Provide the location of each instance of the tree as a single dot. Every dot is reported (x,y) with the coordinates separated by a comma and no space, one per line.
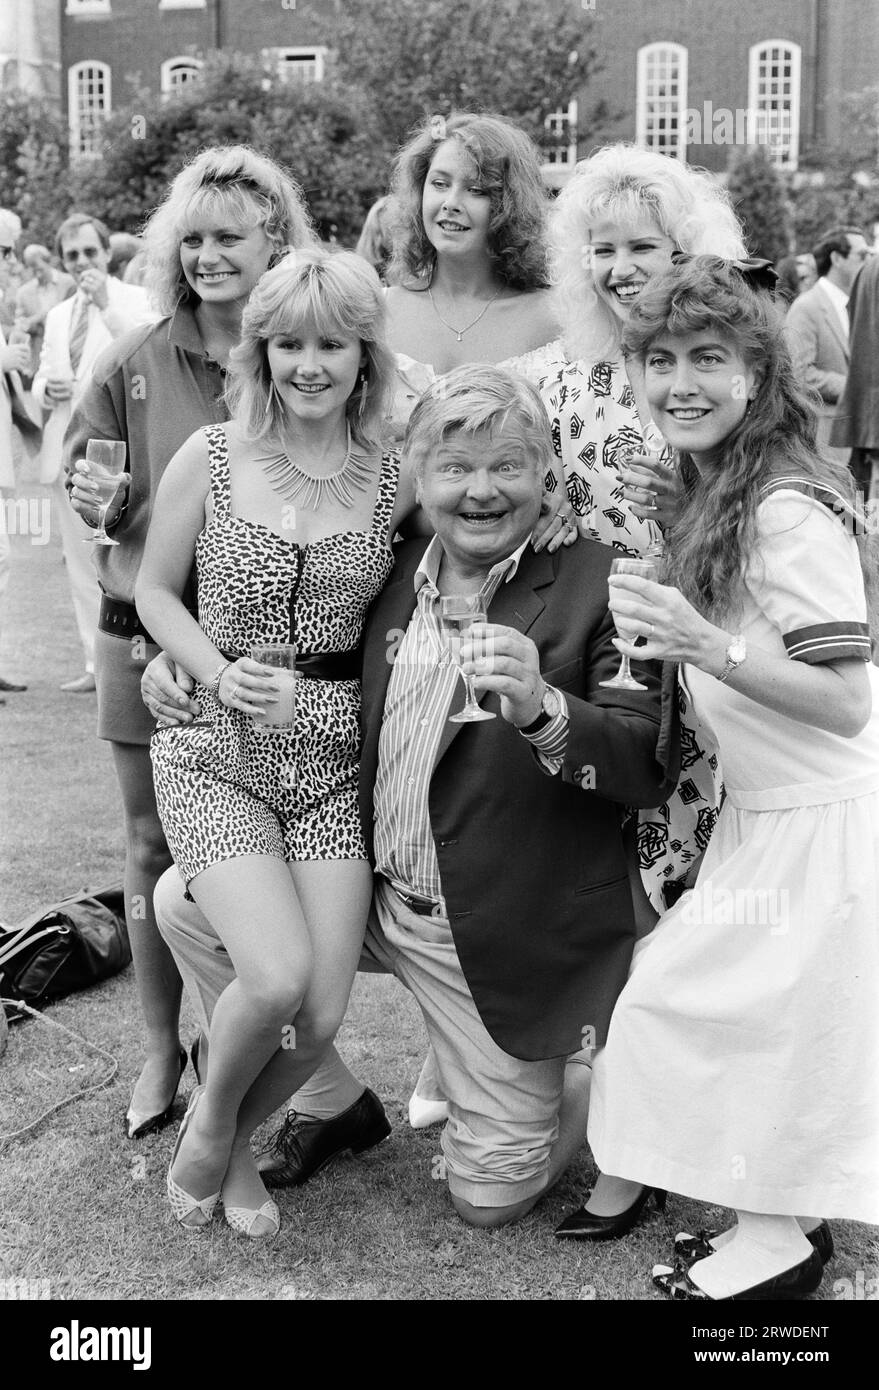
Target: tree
(840,183)
(324,136)
(759,196)
(34,174)
(520,58)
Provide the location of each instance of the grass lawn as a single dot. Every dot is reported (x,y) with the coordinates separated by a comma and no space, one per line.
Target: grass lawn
(85,1209)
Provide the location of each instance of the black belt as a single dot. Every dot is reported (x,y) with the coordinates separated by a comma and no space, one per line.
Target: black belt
(323,666)
(121,620)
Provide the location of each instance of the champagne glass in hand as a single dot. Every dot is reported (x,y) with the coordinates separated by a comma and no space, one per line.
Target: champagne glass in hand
(459,613)
(644,569)
(107,461)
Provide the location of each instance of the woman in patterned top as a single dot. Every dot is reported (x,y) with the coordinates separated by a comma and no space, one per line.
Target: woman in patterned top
(615,225)
(288,511)
(742,1059)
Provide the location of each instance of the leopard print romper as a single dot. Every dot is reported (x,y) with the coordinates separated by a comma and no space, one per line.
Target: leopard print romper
(224,787)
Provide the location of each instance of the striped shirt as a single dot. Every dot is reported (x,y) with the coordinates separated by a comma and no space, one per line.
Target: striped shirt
(420,692)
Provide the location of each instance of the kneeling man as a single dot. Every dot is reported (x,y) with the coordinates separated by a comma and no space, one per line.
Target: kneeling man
(502,897)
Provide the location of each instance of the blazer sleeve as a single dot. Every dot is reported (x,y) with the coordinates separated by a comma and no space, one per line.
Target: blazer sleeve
(57,321)
(802,332)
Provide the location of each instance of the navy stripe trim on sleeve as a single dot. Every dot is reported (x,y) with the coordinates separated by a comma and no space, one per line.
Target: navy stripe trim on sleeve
(828,642)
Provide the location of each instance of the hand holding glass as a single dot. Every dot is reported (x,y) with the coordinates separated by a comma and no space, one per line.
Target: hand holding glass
(106,458)
(644,569)
(281,658)
(459,613)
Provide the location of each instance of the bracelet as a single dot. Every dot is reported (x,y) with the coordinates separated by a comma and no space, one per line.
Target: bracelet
(213,685)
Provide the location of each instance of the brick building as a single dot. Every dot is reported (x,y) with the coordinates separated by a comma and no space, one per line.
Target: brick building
(689,77)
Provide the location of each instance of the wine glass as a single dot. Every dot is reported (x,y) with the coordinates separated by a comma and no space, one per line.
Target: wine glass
(459,612)
(108,459)
(645,569)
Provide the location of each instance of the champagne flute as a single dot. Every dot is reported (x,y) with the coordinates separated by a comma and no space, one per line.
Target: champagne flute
(459,612)
(644,569)
(108,457)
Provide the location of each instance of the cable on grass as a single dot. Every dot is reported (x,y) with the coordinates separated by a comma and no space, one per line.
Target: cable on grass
(77,1095)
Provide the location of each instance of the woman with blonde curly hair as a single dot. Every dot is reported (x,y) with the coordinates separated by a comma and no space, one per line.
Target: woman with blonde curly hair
(615,225)
(226,215)
(468,270)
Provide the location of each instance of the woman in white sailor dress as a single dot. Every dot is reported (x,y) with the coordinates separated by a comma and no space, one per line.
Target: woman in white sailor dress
(743,1055)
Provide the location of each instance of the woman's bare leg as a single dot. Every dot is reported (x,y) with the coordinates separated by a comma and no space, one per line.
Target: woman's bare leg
(253,907)
(335,900)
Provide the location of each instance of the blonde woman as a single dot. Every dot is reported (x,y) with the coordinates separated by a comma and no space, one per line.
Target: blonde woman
(287,511)
(226,215)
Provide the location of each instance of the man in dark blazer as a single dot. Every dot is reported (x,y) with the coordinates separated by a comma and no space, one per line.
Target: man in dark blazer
(816,326)
(502,895)
(856,426)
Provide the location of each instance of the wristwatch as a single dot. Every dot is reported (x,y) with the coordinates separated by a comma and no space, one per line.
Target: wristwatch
(550,705)
(735,655)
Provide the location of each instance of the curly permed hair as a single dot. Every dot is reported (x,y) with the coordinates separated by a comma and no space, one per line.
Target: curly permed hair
(714,531)
(247,188)
(508,168)
(626,184)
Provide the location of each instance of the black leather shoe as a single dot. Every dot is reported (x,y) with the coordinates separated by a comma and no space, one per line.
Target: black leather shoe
(690,1248)
(791,1283)
(584,1225)
(303,1146)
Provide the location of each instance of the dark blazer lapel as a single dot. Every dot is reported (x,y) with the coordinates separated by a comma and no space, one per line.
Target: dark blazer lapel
(516,604)
(385,631)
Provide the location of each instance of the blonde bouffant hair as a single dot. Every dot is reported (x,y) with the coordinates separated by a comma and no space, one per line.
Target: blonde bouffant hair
(248,189)
(626,184)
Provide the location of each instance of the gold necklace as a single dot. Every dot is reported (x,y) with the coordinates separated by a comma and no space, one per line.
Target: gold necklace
(459,332)
(296,485)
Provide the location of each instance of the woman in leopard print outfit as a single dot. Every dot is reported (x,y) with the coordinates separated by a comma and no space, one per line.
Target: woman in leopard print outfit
(288,510)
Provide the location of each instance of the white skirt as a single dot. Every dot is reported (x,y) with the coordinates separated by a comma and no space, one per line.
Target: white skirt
(742,1061)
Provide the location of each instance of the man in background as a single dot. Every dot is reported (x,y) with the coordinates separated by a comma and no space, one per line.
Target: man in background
(77,331)
(817,326)
(36,296)
(856,426)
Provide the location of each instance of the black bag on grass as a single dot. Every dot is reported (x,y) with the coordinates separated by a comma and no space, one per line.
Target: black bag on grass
(63,948)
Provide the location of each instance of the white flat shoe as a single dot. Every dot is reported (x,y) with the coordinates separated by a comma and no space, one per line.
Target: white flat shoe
(424,1113)
(193,1213)
(243,1220)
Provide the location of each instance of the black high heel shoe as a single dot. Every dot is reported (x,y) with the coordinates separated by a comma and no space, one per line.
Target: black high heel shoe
(195,1053)
(136,1126)
(689,1248)
(585,1225)
(791,1283)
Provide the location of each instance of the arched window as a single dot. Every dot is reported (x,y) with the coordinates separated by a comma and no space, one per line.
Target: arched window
(88,98)
(661,100)
(774,98)
(176,72)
